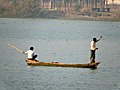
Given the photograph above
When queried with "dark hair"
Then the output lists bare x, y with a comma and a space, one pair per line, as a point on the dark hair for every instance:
31, 48
94, 39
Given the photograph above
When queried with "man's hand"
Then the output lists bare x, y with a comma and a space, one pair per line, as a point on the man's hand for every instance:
96, 49
100, 37
23, 52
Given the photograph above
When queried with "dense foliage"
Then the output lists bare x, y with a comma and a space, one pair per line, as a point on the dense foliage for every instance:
25, 8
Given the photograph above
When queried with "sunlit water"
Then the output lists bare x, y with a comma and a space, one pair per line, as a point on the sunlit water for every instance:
65, 41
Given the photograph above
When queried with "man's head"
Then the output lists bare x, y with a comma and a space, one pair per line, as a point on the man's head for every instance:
94, 39
31, 48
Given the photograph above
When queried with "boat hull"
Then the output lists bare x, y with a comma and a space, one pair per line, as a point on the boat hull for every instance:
57, 64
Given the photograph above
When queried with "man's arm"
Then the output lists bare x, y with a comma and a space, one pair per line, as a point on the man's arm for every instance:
24, 53
99, 38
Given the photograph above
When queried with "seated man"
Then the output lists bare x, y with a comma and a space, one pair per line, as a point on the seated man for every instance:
30, 54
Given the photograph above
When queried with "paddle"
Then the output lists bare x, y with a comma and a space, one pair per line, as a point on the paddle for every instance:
15, 48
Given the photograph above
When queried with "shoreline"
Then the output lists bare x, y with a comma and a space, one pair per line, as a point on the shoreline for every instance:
91, 18
84, 18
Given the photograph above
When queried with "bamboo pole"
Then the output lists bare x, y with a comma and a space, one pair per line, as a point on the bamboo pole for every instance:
15, 48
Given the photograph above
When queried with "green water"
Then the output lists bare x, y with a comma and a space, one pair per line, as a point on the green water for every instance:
65, 41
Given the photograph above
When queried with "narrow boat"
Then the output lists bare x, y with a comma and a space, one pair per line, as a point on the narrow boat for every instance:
58, 64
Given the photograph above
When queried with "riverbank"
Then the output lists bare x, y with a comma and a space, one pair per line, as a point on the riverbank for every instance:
33, 9
91, 18
61, 16
85, 18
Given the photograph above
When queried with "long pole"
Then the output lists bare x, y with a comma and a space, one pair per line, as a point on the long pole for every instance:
15, 48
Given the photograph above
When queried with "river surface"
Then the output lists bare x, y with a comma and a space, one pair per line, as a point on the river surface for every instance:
66, 41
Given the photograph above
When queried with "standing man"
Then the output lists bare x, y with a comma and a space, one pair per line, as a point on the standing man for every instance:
93, 49
30, 54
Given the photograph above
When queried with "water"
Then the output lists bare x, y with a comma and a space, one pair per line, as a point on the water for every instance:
59, 40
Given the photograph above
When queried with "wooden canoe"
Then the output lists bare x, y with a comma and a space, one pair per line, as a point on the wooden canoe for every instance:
58, 64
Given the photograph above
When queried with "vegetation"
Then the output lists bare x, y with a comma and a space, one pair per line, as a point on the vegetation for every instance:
66, 9
25, 8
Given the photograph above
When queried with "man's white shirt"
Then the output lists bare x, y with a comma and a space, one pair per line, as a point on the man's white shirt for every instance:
30, 53
92, 45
